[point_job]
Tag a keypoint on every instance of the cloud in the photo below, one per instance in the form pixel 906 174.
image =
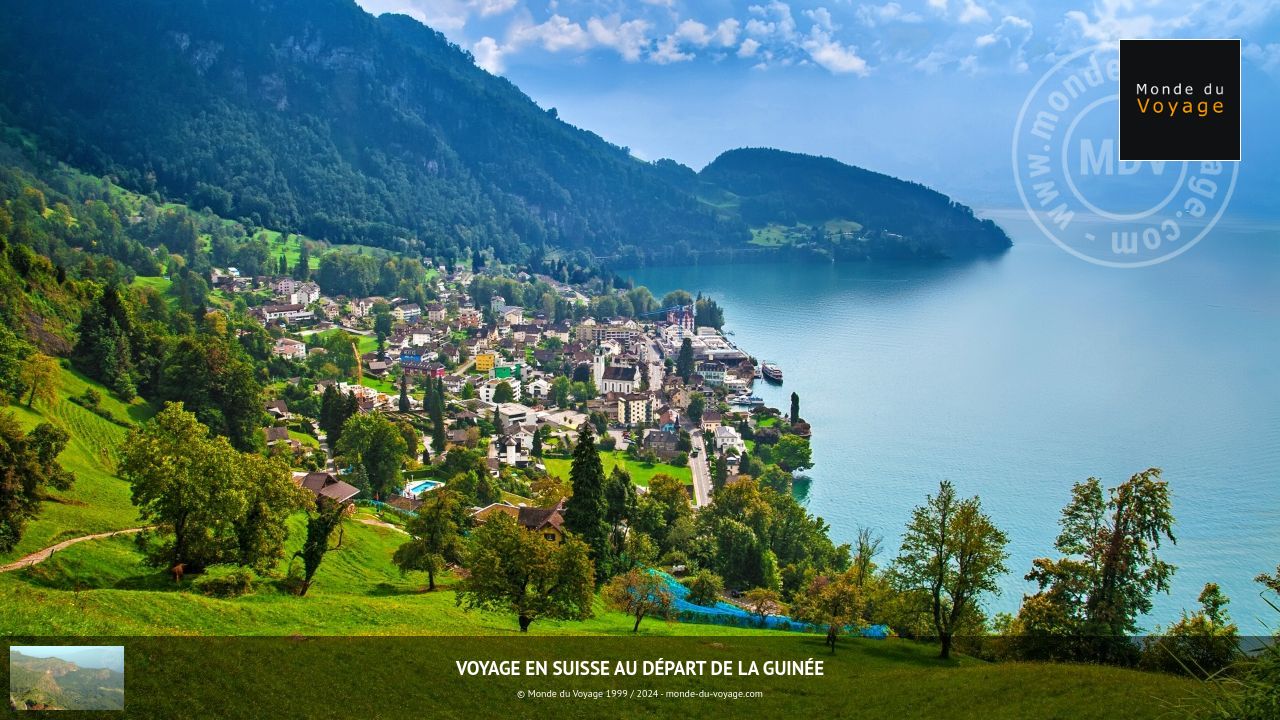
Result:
pixel 822 17
pixel 1005 46
pixel 556 34
pixel 1266 56
pixel 692 32
pixel 488 8
pixel 669 52
pixel 630 39
pixel 488 54
pixel 748 48
pixel 973 12
pixel 832 55
pixel 726 33
pixel 875 15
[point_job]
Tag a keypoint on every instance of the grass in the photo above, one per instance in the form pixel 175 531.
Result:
pixel 775 235
pixel 101 588
pixel 98 501
pixel 641 472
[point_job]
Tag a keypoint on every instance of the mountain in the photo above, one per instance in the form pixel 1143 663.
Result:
pixel 313 116
pixel 55 684
pixel 772 187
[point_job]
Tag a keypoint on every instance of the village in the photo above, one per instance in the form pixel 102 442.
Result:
pixel 664 396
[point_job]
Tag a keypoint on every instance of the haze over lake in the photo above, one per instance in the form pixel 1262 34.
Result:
pixel 1016 377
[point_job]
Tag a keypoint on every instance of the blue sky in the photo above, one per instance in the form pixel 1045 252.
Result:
pixel 923 89
pixel 87 656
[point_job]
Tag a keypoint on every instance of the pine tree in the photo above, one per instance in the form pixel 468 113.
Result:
pixel 585 511
pixel 795 408
pixel 684 361
pixel 302 271
pixel 404 393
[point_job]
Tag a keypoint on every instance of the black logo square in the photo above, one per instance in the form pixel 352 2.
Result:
pixel 1179 100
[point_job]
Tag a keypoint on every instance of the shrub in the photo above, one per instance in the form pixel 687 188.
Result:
pixel 234 584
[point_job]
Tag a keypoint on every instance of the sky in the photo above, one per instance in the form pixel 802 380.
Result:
pixel 86 656
pixel 927 90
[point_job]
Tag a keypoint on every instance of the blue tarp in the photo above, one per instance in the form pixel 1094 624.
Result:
pixel 723 613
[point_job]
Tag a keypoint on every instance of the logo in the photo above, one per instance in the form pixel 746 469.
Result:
pixel 1073 184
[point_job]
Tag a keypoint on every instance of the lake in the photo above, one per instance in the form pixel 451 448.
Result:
pixel 1016 377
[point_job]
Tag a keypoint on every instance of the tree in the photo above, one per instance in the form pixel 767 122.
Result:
pixel 503 393
pixel 705 588
pixel 795 408
pixel 209 502
pixel 404 393
pixel 697 406
pixel 640 592
pixel 792 453
pixel 834 601
pixel 536 449
pixel 1202 644
pixel 763 602
pixel 28 465
pixel 1090 598
pixel 586 510
pixel 375 444
pixel 302 270
pixel 561 390
pixel 436 535
pixel 516 570
pixel 684 360
pixel 953 552
pixel 335 410
pixel 40 374
pixel 320 527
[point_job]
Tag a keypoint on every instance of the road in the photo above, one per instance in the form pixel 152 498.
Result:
pixel 701 472
pixel 40 556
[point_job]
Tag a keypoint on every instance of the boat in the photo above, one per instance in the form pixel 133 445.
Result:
pixel 771 372
pixel 750 400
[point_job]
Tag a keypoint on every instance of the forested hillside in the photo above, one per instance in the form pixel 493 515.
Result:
pixel 315 117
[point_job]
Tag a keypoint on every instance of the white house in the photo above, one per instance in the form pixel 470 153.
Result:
pixel 290 348
pixel 619 379
pixel 727 438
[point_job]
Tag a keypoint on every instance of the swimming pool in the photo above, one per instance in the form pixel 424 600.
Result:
pixel 418 487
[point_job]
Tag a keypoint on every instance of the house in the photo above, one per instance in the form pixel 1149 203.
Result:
pixel 289 348
pixel 288 313
pixel 326 484
pixel 513 314
pixel 277 409
pixel 548 522
pixel 277 435
pixel 727 438
pixel 468 317
pixel 663 443
pixel 486 389
pixel 634 408
pixel 407 312
pixel 712 372
pixel 539 389
pixel 485 361
pixel 304 293
pixel 620 379
pixel 710 421
pixel 515 413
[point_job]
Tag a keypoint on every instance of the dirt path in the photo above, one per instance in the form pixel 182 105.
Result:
pixel 40 556
pixel 380 523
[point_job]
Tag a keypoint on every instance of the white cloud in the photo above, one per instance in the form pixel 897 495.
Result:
pixel 556 34
pixel 939 5
pixel 630 39
pixel 692 32
pixel 488 8
pixel 669 52
pixel 488 54
pixel 973 12
pixel 832 55
pixel 1266 56
pixel 748 48
pixel 874 15
pixel 1004 46
pixel 822 17
pixel 726 33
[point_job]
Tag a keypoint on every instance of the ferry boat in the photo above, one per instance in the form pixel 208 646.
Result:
pixel 750 400
pixel 771 372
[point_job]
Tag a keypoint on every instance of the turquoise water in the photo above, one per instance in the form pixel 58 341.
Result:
pixel 1016 377
pixel 422 486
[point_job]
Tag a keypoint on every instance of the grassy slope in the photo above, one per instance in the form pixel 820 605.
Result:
pixel 101 587
pixel 641 473
pixel 98 501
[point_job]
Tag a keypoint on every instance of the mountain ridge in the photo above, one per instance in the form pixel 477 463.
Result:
pixel 319 118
